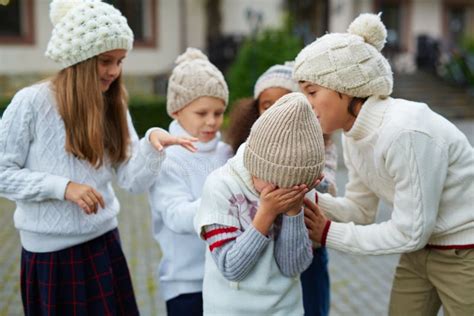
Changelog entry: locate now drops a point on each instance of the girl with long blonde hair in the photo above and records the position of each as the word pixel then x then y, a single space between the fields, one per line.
pixel 62 142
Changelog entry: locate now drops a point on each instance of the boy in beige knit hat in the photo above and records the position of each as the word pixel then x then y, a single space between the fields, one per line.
pixel 251 215
pixel 403 153
pixel 274 83
pixel 197 98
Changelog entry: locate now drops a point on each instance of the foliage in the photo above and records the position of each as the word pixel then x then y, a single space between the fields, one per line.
pixel 146 111
pixel 269 47
pixel 459 65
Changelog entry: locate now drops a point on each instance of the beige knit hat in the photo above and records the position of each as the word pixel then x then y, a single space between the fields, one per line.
pixel 349 63
pixel 84 29
pixel 194 77
pixel 285 146
pixel 277 76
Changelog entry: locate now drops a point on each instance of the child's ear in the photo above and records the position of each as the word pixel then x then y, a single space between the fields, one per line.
pixel 175 115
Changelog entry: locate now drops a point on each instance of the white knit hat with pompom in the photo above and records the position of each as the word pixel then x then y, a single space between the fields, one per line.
pixel 349 63
pixel 84 29
pixel 277 76
pixel 193 77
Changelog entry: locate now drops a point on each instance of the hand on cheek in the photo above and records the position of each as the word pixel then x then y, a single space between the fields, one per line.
pixel 315 221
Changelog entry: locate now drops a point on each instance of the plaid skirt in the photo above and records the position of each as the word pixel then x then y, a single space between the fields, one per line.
pixel 88 279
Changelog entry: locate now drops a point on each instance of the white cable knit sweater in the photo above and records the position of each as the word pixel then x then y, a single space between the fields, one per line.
pixel 35 169
pixel 412 158
pixel 174 200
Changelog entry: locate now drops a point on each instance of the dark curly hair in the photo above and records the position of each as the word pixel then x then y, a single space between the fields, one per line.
pixel 242 116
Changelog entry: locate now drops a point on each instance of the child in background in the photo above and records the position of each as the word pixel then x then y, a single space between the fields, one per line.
pixel 197 98
pixel 403 153
pixel 62 142
pixel 251 215
pixel 274 83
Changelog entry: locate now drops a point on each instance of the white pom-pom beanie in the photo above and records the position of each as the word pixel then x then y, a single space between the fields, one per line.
pixel 193 77
pixel 277 76
pixel 349 63
pixel 84 29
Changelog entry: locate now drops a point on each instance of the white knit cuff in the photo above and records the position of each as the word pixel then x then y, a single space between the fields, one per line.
pixel 55 186
pixel 335 236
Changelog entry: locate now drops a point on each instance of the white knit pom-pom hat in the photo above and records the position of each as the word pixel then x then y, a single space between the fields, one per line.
pixel 349 63
pixel 193 77
pixel 84 29
pixel 277 76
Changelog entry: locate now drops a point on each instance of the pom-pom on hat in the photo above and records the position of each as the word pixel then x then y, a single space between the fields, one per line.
pixel 193 77
pixel 84 29
pixel 277 76
pixel 349 63
pixel 285 146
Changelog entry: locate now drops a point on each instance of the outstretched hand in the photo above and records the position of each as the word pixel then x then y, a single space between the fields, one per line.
pixel 315 220
pixel 161 139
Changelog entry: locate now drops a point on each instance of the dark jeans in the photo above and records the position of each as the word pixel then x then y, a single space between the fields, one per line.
pixel 185 305
pixel 315 283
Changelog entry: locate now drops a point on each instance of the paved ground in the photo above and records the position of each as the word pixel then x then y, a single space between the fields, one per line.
pixel 360 284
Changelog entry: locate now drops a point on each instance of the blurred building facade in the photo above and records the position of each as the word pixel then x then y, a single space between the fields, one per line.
pixel 417 29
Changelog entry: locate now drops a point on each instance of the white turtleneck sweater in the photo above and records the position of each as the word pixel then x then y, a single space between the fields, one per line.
pixel 417 161
pixel 174 200
pixel 35 170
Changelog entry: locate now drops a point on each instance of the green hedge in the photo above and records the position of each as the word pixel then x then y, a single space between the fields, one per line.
pixel 269 47
pixel 4 101
pixel 146 112
pixel 459 68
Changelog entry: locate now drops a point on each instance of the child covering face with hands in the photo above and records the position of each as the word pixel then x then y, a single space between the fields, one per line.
pixel 251 215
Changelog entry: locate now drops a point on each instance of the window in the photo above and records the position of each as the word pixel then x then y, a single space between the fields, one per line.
pixel 458 22
pixel 16 22
pixel 141 17
pixel 395 16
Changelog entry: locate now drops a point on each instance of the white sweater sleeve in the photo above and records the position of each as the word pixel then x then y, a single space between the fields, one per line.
pixel 171 199
pixel 418 166
pixel 16 133
pixel 359 205
pixel 138 172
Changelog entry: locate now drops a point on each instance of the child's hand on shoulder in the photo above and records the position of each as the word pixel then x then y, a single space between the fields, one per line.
pixel 161 139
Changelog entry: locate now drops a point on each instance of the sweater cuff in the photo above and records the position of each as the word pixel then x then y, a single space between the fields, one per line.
pixel 335 236
pixel 325 233
pixel 55 186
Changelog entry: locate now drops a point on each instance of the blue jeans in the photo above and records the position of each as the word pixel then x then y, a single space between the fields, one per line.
pixel 315 284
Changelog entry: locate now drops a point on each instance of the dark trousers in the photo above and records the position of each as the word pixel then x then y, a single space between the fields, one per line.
pixel 185 305
pixel 315 284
